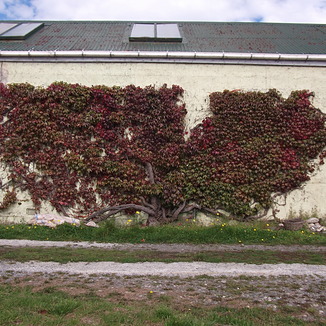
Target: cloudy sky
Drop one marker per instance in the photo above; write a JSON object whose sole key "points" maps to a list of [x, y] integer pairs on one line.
{"points": [[302, 11]]}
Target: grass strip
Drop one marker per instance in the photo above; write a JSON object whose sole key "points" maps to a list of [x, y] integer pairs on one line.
{"points": [[65, 255], [52, 307], [260, 233]]}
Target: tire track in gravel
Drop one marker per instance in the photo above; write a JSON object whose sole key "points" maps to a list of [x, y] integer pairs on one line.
{"points": [[164, 269], [181, 269], [175, 247]]}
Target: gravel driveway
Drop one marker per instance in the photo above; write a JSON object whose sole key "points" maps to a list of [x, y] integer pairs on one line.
{"points": [[299, 287], [162, 269]]}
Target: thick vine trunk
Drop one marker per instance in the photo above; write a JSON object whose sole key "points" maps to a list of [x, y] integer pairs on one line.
{"points": [[153, 207], [160, 215], [106, 212]]}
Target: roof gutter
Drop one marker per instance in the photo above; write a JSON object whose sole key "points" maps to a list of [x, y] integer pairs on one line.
{"points": [[162, 55]]}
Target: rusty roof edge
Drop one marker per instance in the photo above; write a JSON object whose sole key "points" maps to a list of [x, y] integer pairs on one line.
{"points": [[166, 55]]}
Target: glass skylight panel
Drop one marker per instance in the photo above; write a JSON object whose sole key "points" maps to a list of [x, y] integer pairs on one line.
{"points": [[167, 31], [6, 26], [21, 31], [143, 31], [153, 32]]}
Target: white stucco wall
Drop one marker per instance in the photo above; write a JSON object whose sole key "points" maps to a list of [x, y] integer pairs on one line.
{"points": [[198, 81]]}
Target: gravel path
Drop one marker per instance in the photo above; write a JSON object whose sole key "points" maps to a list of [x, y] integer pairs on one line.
{"points": [[161, 269], [158, 247], [300, 287], [165, 269]]}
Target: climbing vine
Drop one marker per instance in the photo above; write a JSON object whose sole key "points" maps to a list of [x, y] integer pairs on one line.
{"points": [[94, 151], [254, 146]]}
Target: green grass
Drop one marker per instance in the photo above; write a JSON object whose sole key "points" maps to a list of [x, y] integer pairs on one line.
{"points": [[65, 255], [27, 307], [258, 233]]}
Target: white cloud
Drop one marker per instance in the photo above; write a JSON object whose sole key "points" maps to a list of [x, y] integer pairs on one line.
{"points": [[194, 10], [289, 10]]}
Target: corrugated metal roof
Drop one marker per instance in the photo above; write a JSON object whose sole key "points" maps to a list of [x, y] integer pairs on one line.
{"points": [[196, 37]]}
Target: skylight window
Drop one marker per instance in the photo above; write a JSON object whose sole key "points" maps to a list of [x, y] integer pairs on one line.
{"points": [[4, 27], [143, 31], [18, 31], [155, 33]]}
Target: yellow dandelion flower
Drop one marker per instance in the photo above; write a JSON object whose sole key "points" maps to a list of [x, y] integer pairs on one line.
{"points": [[267, 224], [151, 292], [137, 212], [255, 229], [129, 221]]}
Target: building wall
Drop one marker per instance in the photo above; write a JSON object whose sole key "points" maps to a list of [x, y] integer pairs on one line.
{"points": [[198, 81]]}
